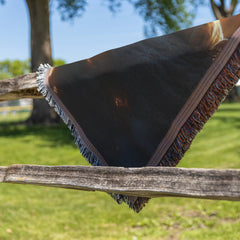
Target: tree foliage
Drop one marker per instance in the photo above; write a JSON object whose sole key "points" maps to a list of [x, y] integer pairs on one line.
{"points": [[13, 68], [70, 9], [9, 69], [166, 15]]}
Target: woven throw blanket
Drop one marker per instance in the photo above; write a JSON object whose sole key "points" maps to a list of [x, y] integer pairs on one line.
{"points": [[142, 104]]}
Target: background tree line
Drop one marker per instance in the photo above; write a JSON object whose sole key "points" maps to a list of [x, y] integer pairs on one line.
{"points": [[13, 68]]}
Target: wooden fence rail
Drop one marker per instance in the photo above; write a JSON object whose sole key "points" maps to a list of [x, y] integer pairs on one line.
{"points": [[24, 86], [146, 181]]}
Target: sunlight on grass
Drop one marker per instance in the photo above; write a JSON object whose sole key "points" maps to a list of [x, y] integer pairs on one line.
{"points": [[33, 212]]}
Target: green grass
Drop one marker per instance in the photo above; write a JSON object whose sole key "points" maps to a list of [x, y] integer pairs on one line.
{"points": [[34, 212]]}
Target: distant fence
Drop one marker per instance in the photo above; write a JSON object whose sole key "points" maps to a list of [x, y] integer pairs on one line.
{"points": [[9, 107]]}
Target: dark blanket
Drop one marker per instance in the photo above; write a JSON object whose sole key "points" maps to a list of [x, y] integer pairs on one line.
{"points": [[142, 104]]}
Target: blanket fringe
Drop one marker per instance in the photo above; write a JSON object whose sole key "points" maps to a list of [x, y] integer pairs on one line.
{"points": [[137, 206], [42, 88], [217, 92]]}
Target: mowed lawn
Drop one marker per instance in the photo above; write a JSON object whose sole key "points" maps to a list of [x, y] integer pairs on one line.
{"points": [[34, 212]]}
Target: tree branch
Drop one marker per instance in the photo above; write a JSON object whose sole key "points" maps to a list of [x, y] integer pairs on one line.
{"points": [[216, 10], [221, 11], [146, 182], [223, 4], [233, 6], [24, 86]]}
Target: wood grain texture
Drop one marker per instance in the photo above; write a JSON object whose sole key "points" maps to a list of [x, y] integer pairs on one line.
{"points": [[146, 182], [24, 86]]}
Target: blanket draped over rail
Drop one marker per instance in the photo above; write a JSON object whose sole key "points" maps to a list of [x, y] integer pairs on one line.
{"points": [[143, 104]]}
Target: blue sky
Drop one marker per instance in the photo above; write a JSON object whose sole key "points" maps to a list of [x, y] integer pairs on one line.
{"points": [[96, 31]]}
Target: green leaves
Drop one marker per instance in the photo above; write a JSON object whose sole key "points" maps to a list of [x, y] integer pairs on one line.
{"points": [[70, 9], [58, 62], [166, 15], [14, 68], [9, 69]]}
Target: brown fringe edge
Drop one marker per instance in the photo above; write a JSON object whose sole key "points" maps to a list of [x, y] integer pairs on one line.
{"points": [[217, 92]]}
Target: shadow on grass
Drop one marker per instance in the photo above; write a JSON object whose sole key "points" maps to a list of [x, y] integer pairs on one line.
{"points": [[57, 135], [234, 121]]}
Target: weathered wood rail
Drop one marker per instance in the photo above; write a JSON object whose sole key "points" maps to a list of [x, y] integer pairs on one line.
{"points": [[147, 181], [24, 86]]}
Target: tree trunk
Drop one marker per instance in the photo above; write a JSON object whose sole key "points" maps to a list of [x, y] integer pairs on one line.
{"points": [[40, 53], [220, 11]]}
